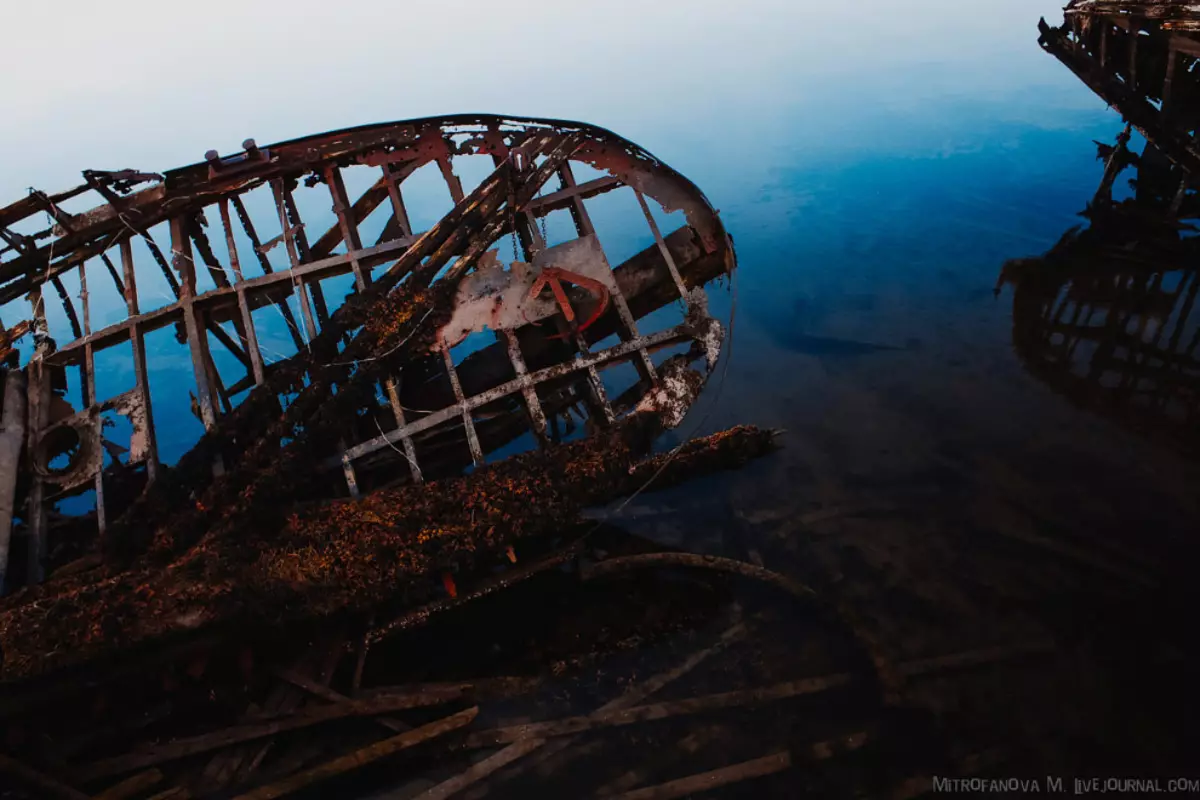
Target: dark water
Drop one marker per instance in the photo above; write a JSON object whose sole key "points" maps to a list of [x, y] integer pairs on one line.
{"points": [[929, 481], [927, 478]]}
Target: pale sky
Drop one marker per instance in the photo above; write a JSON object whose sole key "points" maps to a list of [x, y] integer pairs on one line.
{"points": [[153, 85]]}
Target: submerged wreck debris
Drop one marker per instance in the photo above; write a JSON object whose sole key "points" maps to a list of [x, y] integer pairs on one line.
{"points": [[1107, 316], [233, 612]]}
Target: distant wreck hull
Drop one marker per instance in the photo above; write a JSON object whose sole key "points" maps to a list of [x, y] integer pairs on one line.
{"points": [[309, 493], [1107, 318]]}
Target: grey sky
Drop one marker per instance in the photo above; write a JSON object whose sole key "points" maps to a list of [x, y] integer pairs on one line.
{"points": [[153, 85]]}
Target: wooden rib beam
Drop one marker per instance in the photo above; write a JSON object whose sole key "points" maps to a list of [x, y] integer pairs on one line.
{"points": [[568, 726], [132, 786], [707, 781], [363, 756], [523, 747], [49, 787], [152, 755], [359, 211]]}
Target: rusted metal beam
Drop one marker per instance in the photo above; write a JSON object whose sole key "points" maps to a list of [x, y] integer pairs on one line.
{"points": [[391, 178], [533, 406], [572, 194], [138, 345], [672, 267], [347, 225], [26, 206], [265, 264], [181, 248], [200, 240], [68, 307], [230, 345], [38, 415], [1175, 11], [358, 211], [534, 244], [130, 217], [251, 336], [290, 242], [627, 327], [468, 422], [12, 442], [88, 375], [259, 291], [197, 185], [581, 363]]}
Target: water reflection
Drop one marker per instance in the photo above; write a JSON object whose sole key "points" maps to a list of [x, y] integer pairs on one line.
{"points": [[1106, 318]]}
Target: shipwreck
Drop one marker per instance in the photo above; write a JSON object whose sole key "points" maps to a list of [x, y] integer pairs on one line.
{"points": [[1107, 316], [447, 411]]}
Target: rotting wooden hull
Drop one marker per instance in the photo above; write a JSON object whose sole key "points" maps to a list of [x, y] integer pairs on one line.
{"points": [[380, 414], [204, 542]]}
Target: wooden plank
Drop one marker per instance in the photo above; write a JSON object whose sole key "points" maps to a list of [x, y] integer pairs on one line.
{"points": [[38, 405], [627, 328], [566, 196], [320, 661], [707, 781], [363, 756], [359, 211], [181, 247], [746, 770], [12, 442], [662, 247], [290, 242], [252, 350], [47, 786], [174, 793], [347, 225], [325, 693], [647, 713], [524, 747], [131, 786], [630, 714], [475, 773], [151, 755], [138, 345]]}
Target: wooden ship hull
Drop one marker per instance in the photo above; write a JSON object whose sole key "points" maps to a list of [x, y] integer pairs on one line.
{"points": [[433, 437]]}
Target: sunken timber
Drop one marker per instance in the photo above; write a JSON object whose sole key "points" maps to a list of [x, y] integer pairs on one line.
{"points": [[381, 464]]}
